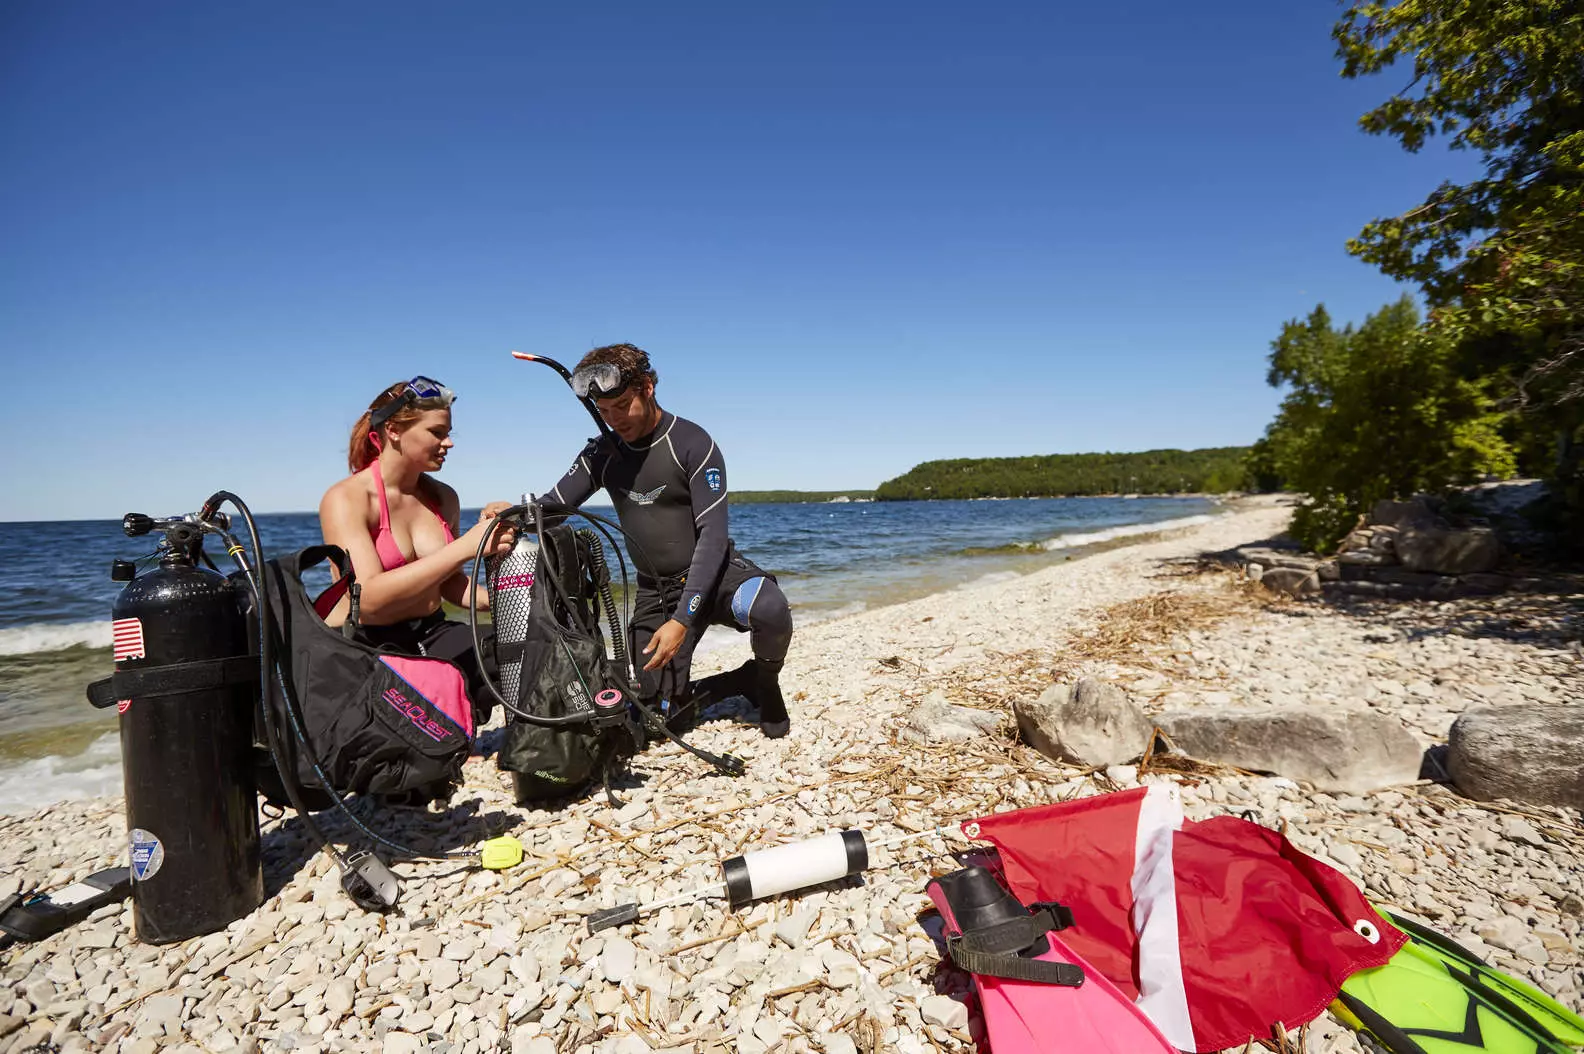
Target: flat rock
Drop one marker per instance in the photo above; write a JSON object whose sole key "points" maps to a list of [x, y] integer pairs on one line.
{"points": [[935, 720], [1448, 551], [402, 1043], [1533, 752], [1342, 751], [618, 959], [1267, 558], [1090, 722], [944, 1011], [1293, 581]]}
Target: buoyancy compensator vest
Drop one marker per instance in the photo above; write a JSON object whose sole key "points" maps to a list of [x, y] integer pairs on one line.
{"points": [[556, 647], [379, 722]]}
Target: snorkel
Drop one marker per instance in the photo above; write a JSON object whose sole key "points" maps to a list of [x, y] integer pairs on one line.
{"points": [[566, 375]]}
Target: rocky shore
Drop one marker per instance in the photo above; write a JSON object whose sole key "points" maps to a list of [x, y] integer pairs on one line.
{"points": [[473, 961]]}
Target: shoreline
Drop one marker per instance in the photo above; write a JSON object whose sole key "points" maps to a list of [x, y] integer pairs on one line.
{"points": [[480, 961], [52, 749]]}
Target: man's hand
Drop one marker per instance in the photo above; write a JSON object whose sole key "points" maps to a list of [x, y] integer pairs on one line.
{"points": [[664, 644]]}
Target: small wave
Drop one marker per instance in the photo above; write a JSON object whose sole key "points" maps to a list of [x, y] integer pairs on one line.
{"points": [[1072, 541], [45, 636], [989, 579], [1001, 550], [95, 773]]}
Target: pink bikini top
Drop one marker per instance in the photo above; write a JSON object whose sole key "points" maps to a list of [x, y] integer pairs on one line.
{"points": [[390, 554]]}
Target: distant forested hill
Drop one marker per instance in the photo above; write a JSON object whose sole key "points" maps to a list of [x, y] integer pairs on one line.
{"points": [[1212, 470]]}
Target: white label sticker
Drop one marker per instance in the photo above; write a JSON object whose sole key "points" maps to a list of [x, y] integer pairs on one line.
{"points": [[147, 854], [75, 893]]}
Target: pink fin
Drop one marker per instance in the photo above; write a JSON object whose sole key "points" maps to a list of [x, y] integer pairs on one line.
{"points": [[1025, 1017]]}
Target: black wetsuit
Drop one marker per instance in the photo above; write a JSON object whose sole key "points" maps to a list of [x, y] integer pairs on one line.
{"points": [[669, 490]]}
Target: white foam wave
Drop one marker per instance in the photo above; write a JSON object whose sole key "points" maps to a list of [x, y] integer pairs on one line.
{"points": [[1072, 541], [95, 773], [48, 636], [989, 579]]}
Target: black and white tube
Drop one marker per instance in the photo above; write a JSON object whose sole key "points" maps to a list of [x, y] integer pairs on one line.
{"points": [[797, 865]]}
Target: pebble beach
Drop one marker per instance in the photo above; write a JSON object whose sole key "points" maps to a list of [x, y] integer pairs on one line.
{"points": [[474, 961]]}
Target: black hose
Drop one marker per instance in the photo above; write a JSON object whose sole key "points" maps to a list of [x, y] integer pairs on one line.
{"points": [[612, 619], [517, 511], [730, 764], [293, 714], [267, 663]]}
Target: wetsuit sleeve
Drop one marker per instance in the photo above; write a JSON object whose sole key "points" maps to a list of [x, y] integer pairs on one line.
{"points": [[586, 475], [707, 489]]}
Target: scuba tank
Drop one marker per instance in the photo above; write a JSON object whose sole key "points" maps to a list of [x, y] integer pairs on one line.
{"points": [[511, 580], [186, 686], [570, 704]]}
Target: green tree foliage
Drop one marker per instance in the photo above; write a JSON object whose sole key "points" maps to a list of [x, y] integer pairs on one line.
{"points": [[1215, 470], [1375, 412], [1500, 258]]}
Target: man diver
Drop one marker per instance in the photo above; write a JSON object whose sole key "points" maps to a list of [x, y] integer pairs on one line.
{"points": [[667, 480]]}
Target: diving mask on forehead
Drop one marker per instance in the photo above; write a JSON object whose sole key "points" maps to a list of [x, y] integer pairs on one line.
{"points": [[417, 390], [603, 380]]}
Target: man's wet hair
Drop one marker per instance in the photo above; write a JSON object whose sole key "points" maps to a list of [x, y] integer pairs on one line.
{"points": [[632, 360]]}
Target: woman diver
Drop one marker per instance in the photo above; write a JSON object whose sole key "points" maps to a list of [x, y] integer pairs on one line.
{"points": [[398, 524]]}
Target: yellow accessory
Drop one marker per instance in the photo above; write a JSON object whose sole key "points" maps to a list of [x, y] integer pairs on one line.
{"points": [[497, 854]]}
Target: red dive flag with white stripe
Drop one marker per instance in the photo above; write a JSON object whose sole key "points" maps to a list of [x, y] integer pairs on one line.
{"points": [[1217, 929], [126, 638]]}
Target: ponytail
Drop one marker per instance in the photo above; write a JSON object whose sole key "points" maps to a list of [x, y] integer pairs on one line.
{"points": [[361, 452]]}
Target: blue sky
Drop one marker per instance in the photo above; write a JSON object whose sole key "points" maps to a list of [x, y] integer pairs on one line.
{"points": [[852, 236]]}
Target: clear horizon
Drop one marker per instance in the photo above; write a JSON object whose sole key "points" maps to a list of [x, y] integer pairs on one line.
{"points": [[853, 240]]}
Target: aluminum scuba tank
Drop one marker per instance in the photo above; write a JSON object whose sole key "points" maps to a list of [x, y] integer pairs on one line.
{"points": [[511, 581], [186, 700]]}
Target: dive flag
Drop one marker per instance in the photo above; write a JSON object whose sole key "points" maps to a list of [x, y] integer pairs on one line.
{"points": [[1218, 929]]}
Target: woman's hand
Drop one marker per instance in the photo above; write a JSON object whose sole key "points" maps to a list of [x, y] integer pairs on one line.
{"points": [[502, 540]]}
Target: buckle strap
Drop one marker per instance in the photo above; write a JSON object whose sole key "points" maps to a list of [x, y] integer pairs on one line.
{"points": [[992, 950], [174, 679]]}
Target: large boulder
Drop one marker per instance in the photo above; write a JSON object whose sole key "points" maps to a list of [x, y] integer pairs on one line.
{"points": [[1532, 753], [1346, 751], [1089, 722], [1448, 550], [1411, 513]]}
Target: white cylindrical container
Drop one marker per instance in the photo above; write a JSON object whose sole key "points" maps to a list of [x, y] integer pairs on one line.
{"points": [[766, 872]]}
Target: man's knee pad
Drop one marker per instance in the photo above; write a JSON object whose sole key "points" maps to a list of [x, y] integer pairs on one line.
{"points": [[760, 607]]}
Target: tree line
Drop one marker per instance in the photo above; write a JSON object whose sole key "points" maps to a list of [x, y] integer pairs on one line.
{"points": [[1488, 378], [1213, 470]]}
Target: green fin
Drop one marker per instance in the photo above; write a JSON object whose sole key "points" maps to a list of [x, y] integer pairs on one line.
{"points": [[1433, 997], [1478, 975]]}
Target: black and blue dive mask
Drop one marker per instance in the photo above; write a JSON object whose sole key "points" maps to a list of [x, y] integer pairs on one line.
{"points": [[417, 390]]}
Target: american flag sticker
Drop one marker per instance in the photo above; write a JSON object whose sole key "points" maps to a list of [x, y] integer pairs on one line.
{"points": [[126, 638]]}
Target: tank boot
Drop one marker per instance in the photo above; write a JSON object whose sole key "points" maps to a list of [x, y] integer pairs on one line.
{"points": [[773, 719]]}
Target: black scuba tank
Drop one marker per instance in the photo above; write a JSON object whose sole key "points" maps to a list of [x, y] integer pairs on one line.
{"points": [[186, 688]]}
